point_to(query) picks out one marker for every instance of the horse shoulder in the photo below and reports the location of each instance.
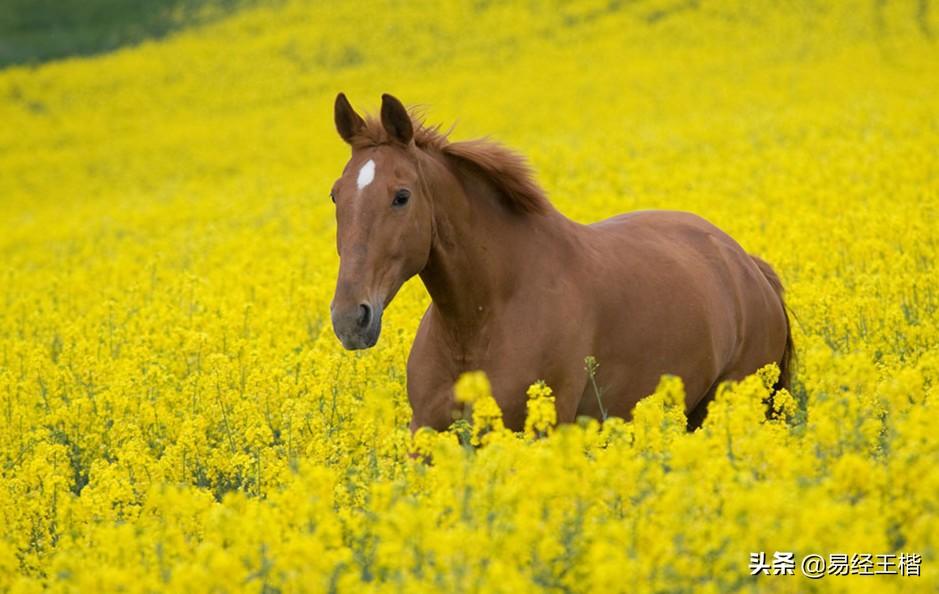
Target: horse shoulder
(430, 377)
(544, 334)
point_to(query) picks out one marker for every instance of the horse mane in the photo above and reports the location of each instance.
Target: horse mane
(507, 170)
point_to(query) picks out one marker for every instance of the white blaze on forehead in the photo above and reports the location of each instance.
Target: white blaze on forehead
(366, 174)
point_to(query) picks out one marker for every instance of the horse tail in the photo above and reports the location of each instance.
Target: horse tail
(785, 364)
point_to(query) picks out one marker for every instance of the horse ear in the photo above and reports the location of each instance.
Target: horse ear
(395, 119)
(348, 123)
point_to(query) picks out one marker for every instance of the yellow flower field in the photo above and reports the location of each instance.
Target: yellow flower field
(176, 414)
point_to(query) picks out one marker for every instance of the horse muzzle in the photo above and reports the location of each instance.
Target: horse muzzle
(357, 327)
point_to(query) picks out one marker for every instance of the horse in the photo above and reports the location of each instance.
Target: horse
(523, 293)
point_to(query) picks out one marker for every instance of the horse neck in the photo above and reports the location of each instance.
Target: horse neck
(480, 246)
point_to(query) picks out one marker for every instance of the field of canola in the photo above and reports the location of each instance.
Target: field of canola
(176, 414)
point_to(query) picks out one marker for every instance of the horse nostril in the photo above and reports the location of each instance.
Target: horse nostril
(365, 315)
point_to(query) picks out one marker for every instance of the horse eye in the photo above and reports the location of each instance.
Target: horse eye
(401, 198)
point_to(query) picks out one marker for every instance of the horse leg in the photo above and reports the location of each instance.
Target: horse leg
(697, 414)
(567, 398)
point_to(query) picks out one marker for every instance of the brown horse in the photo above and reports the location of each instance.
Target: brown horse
(524, 293)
